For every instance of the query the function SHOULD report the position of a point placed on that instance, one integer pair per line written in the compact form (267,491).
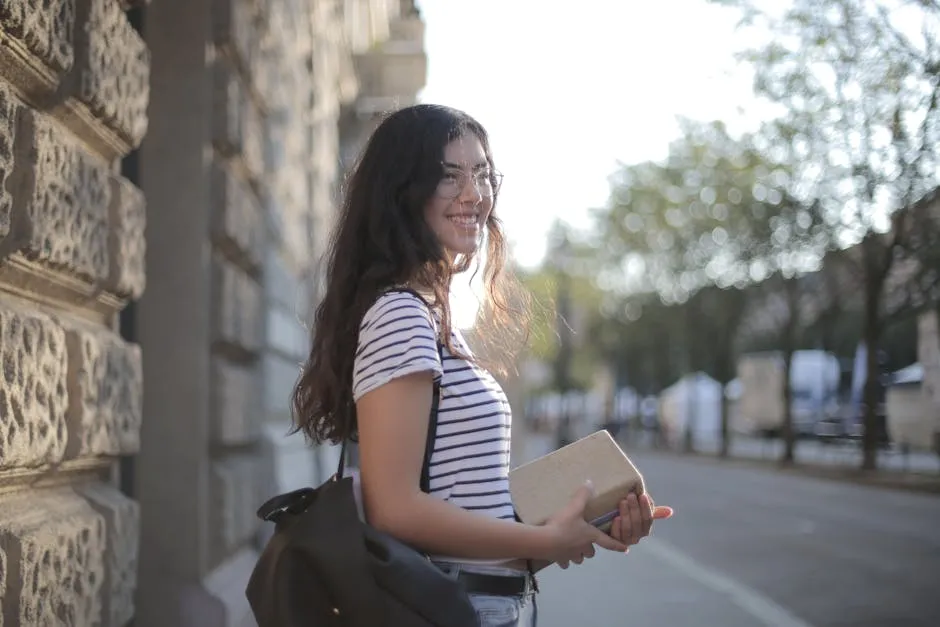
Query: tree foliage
(716,212)
(858,86)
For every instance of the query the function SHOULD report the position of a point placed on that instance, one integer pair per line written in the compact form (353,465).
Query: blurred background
(727,212)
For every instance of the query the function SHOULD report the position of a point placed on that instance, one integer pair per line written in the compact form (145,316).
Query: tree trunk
(872,336)
(725,371)
(789,434)
(688,367)
(725,448)
(791,286)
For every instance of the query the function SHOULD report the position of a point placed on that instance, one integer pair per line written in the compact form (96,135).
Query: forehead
(465,151)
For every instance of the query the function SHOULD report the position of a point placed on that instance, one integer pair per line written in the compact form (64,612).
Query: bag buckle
(288,503)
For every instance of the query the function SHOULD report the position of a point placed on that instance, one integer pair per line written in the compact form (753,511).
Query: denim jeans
(499,611)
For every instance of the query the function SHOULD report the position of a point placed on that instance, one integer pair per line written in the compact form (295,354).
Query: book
(543,486)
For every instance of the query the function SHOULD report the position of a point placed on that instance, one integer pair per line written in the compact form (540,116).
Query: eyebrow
(478,166)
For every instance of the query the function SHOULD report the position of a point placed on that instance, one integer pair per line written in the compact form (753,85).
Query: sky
(568,90)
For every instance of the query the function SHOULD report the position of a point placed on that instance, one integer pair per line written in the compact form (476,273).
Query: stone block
(234,502)
(65,216)
(285,334)
(253,137)
(237,220)
(9,112)
(280,282)
(113,65)
(278,376)
(53,544)
(43,28)
(122,525)
(237,300)
(105,386)
(237,124)
(235,402)
(126,241)
(33,391)
(227,102)
(264,64)
(234,23)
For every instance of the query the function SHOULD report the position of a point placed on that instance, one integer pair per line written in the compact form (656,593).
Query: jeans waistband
(482,570)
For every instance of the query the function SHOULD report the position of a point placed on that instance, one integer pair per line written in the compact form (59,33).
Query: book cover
(543,486)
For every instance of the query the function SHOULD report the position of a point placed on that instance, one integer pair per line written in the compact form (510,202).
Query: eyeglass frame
(495,180)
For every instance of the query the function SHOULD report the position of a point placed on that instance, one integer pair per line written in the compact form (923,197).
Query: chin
(462,248)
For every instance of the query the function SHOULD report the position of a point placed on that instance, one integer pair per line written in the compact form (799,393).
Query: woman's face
(461,204)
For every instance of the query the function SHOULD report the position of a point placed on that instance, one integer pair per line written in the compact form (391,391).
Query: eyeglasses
(453,182)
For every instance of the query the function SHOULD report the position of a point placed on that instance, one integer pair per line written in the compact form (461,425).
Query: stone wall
(74,88)
(144,384)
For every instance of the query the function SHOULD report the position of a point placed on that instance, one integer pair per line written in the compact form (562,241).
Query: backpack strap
(432,426)
(429,440)
(425,481)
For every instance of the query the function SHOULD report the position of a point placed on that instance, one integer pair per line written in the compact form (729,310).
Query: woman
(419,205)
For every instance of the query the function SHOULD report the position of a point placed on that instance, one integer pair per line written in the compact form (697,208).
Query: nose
(471,193)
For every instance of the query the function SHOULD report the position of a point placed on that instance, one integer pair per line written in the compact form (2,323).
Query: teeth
(464,220)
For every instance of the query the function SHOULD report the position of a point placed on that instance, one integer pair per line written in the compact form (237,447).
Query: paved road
(752,547)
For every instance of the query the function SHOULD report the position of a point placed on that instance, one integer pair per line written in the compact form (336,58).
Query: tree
(716,214)
(564,294)
(718,313)
(641,339)
(857,82)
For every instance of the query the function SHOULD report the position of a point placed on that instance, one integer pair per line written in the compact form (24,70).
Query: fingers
(616,529)
(625,523)
(636,520)
(608,542)
(581,497)
(586,553)
(661,512)
(646,515)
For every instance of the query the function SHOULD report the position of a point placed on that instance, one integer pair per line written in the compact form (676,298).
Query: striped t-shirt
(469,464)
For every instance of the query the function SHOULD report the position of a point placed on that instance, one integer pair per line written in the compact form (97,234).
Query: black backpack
(324,566)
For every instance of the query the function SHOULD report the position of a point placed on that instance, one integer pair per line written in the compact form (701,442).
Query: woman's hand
(573,538)
(635,520)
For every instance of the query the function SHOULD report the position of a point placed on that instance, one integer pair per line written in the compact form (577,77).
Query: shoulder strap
(425,482)
(432,426)
(429,441)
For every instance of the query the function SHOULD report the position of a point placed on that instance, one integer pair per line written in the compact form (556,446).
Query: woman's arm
(393,422)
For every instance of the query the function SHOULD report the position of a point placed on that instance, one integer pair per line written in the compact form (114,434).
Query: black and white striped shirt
(470,460)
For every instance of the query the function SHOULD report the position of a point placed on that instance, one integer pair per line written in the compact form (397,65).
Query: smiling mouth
(464,221)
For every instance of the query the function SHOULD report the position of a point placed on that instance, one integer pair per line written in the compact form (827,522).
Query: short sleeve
(397,337)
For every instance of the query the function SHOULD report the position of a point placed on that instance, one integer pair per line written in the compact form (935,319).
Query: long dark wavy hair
(381,241)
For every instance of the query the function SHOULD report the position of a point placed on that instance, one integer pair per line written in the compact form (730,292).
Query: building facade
(169,172)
